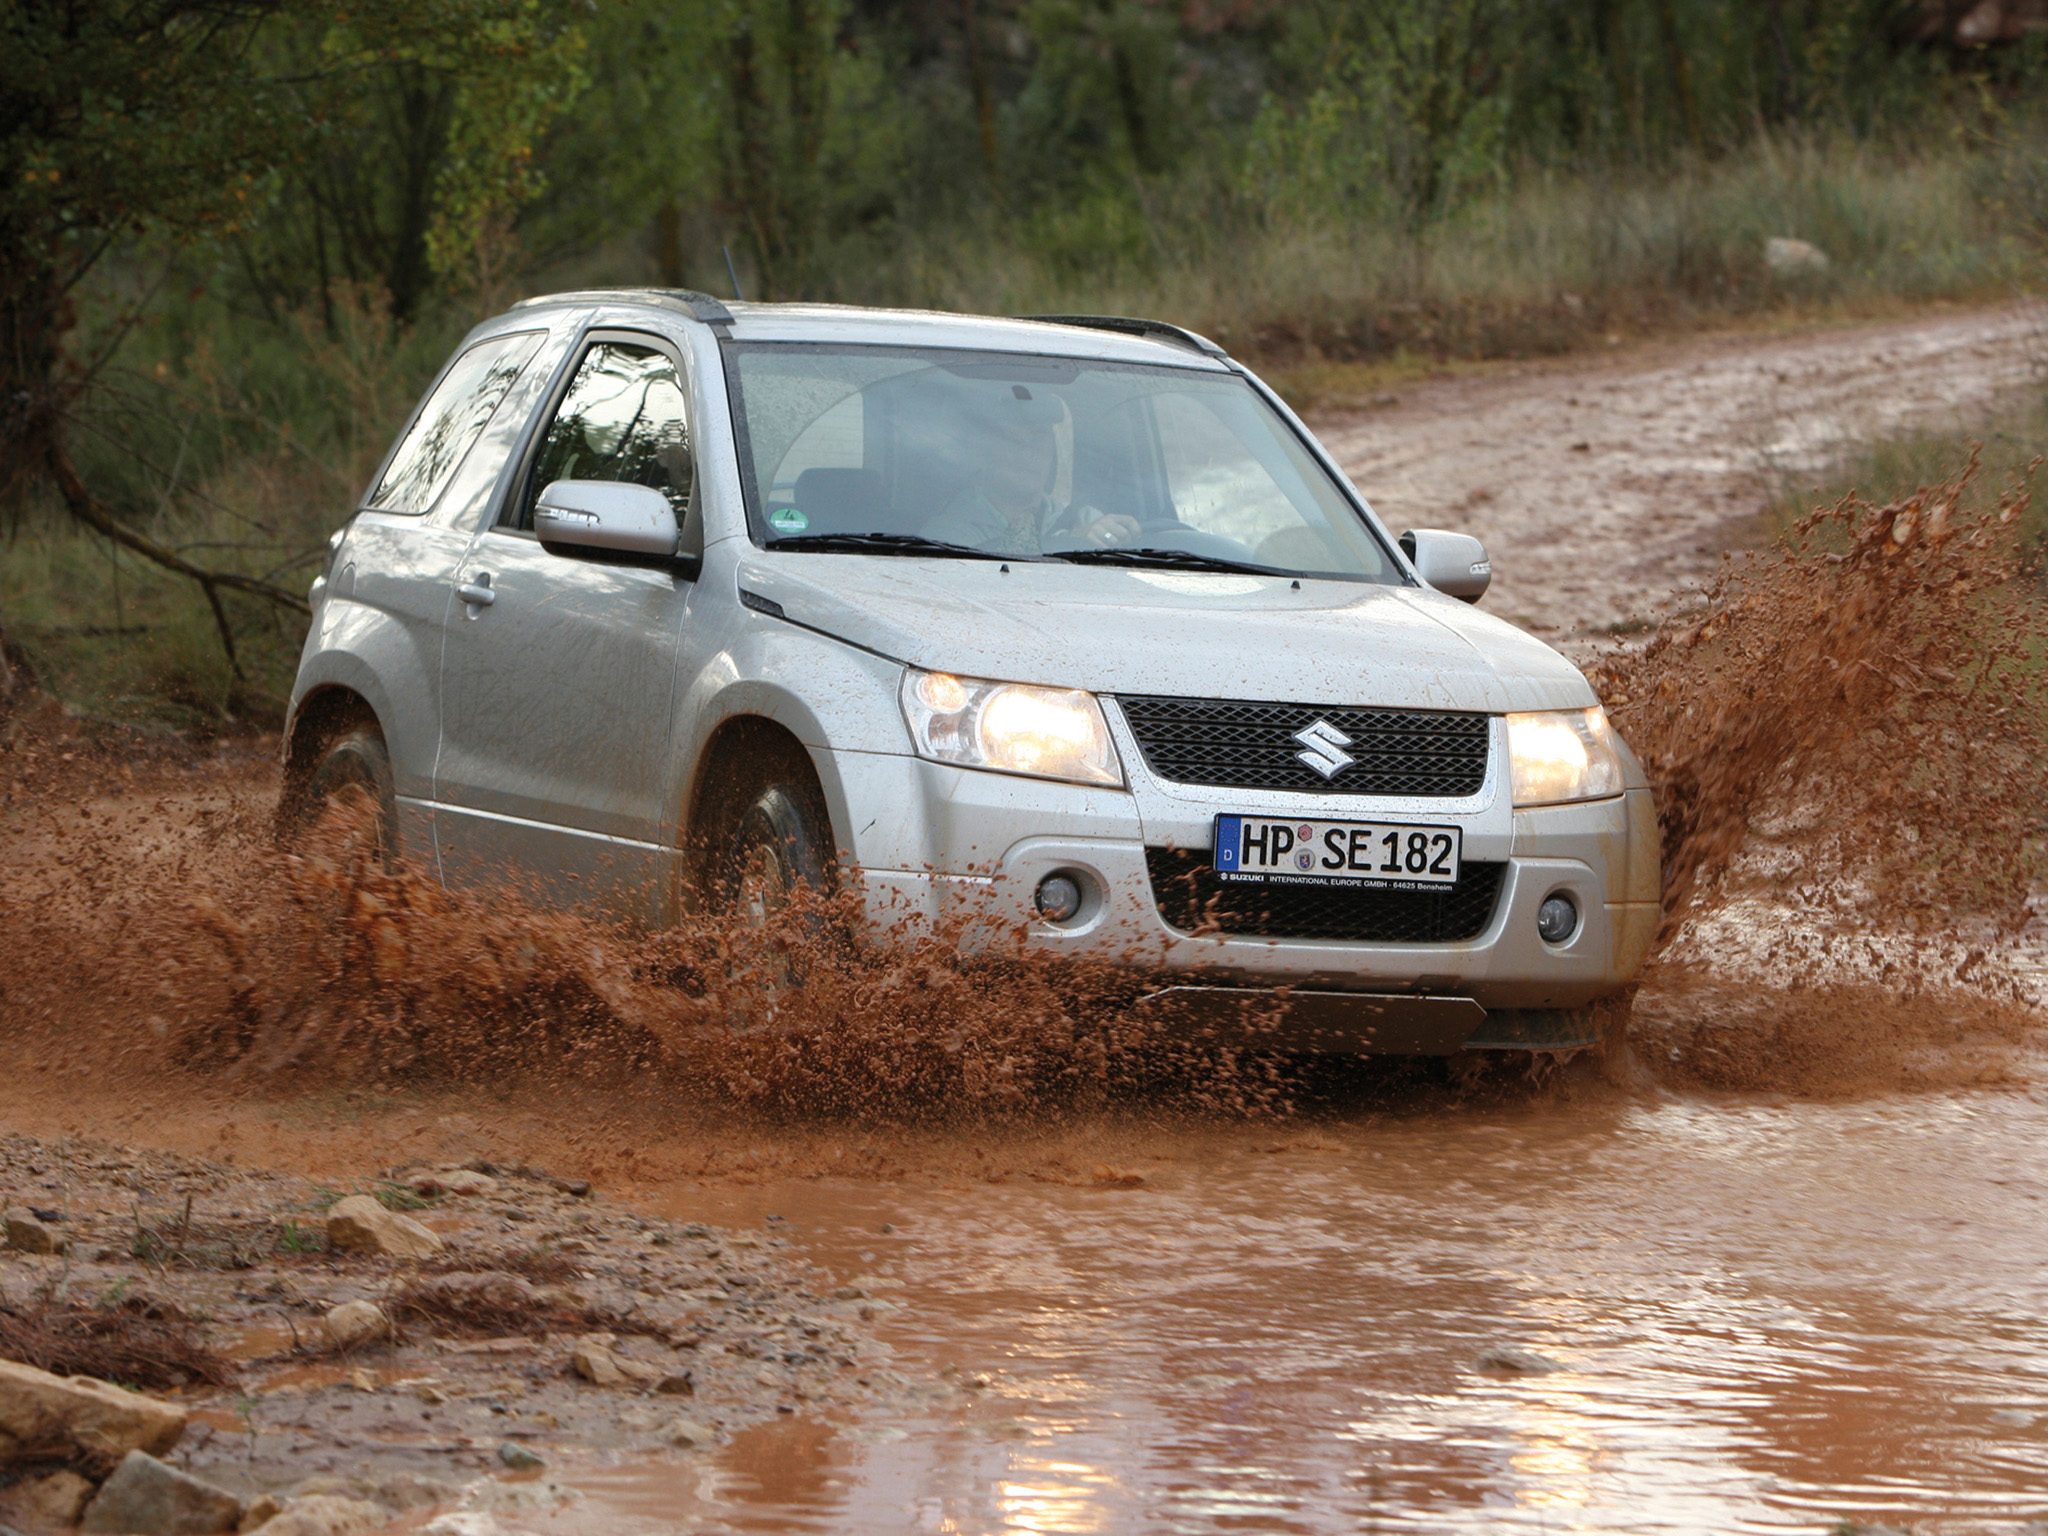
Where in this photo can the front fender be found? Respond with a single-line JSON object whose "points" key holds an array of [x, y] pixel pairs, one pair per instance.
{"points": [[847, 705]]}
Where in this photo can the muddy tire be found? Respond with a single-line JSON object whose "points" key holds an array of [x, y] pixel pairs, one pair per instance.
{"points": [[355, 764], [773, 839]]}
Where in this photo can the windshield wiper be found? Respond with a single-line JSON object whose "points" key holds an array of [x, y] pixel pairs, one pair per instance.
{"points": [[1180, 559], [884, 544]]}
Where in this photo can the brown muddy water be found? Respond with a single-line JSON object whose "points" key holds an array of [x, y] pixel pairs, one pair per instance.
{"points": [[1762, 1316]]}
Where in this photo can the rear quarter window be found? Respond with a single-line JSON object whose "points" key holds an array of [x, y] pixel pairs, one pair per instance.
{"points": [[455, 414]]}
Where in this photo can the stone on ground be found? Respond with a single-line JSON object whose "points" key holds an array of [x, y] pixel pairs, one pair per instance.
{"points": [[593, 1360], [360, 1225], [260, 1511], [356, 1322], [690, 1434], [327, 1514], [55, 1500], [146, 1498], [452, 1181], [519, 1458], [1789, 257], [41, 1414], [28, 1233]]}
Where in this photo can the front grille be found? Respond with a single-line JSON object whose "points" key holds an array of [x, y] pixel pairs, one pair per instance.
{"points": [[1193, 899], [1234, 744]]}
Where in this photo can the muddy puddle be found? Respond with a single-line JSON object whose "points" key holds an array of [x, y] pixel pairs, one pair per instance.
{"points": [[1730, 1315]]}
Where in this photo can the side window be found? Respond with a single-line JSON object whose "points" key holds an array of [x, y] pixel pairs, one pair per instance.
{"points": [[624, 418], [450, 421]]}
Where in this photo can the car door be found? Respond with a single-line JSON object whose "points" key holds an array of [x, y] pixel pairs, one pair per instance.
{"points": [[558, 671], [391, 595]]}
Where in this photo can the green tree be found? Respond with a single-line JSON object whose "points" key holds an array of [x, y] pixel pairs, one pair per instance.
{"points": [[178, 119]]}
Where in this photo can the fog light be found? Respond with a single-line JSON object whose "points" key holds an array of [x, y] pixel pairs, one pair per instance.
{"points": [[1058, 898], [1557, 919]]}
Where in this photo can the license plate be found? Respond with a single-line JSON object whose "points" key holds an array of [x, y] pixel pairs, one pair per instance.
{"points": [[1389, 855]]}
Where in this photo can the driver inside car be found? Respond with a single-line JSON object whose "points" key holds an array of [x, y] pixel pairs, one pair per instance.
{"points": [[1006, 505]]}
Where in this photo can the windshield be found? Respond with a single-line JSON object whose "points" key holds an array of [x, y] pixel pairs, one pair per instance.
{"points": [[901, 451]]}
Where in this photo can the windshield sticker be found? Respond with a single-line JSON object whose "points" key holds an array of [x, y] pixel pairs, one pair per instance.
{"points": [[788, 520], [1198, 584]]}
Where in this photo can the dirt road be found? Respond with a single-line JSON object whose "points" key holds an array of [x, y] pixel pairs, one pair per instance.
{"points": [[1601, 485]]}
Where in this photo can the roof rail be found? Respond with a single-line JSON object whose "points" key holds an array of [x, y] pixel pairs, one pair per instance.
{"points": [[700, 305], [1159, 330]]}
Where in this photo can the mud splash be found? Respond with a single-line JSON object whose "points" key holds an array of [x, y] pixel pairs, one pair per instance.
{"points": [[1850, 748], [1851, 757], [148, 944]]}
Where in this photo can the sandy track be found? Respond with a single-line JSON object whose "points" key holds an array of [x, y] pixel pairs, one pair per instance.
{"points": [[1602, 485]]}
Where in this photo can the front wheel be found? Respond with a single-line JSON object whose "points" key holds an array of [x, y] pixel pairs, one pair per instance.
{"points": [[781, 841]]}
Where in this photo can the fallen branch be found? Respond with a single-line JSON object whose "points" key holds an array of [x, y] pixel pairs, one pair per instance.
{"points": [[85, 507]]}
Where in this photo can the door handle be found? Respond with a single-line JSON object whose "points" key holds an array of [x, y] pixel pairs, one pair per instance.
{"points": [[479, 593]]}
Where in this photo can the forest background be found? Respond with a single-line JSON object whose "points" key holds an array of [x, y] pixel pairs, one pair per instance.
{"points": [[237, 237]]}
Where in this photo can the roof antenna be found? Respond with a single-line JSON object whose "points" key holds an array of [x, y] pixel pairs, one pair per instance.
{"points": [[741, 297]]}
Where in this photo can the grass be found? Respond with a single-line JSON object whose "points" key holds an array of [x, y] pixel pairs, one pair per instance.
{"points": [[2012, 439], [1555, 261]]}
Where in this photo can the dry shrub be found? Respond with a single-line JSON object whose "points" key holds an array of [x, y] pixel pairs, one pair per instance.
{"points": [[495, 1304], [112, 1343]]}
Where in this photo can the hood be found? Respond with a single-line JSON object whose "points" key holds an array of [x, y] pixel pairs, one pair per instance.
{"points": [[1113, 629]]}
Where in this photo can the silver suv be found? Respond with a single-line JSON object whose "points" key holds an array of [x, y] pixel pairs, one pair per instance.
{"points": [[1065, 622]]}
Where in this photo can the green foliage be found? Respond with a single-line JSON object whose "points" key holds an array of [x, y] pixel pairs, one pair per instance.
{"points": [[296, 210]]}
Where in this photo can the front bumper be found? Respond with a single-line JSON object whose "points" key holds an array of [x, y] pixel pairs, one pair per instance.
{"points": [[935, 843]]}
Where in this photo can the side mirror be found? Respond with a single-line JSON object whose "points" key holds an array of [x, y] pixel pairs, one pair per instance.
{"points": [[614, 515], [1454, 563]]}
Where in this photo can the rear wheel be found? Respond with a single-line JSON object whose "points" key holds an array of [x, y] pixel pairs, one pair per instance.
{"points": [[347, 799]]}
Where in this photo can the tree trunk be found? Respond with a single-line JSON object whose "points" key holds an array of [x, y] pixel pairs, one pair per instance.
{"points": [[34, 314]]}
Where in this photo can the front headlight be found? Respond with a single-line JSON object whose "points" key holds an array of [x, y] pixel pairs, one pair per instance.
{"points": [[1051, 733], [1563, 754]]}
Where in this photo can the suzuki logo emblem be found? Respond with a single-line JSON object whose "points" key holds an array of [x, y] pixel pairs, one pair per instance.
{"points": [[1326, 746]]}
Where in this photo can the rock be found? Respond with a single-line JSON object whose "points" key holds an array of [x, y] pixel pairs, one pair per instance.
{"points": [[146, 1498], [689, 1434], [452, 1181], [58, 1499], [1517, 1361], [41, 1414], [356, 1322], [596, 1364], [646, 1372], [677, 1384], [519, 1458], [363, 1381], [461, 1523], [259, 1511], [1794, 258], [29, 1233], [327, 1514], [360, 1225]]}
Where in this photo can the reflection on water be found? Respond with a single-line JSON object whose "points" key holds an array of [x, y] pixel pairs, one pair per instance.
{"points": [[1759, 1318]]}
